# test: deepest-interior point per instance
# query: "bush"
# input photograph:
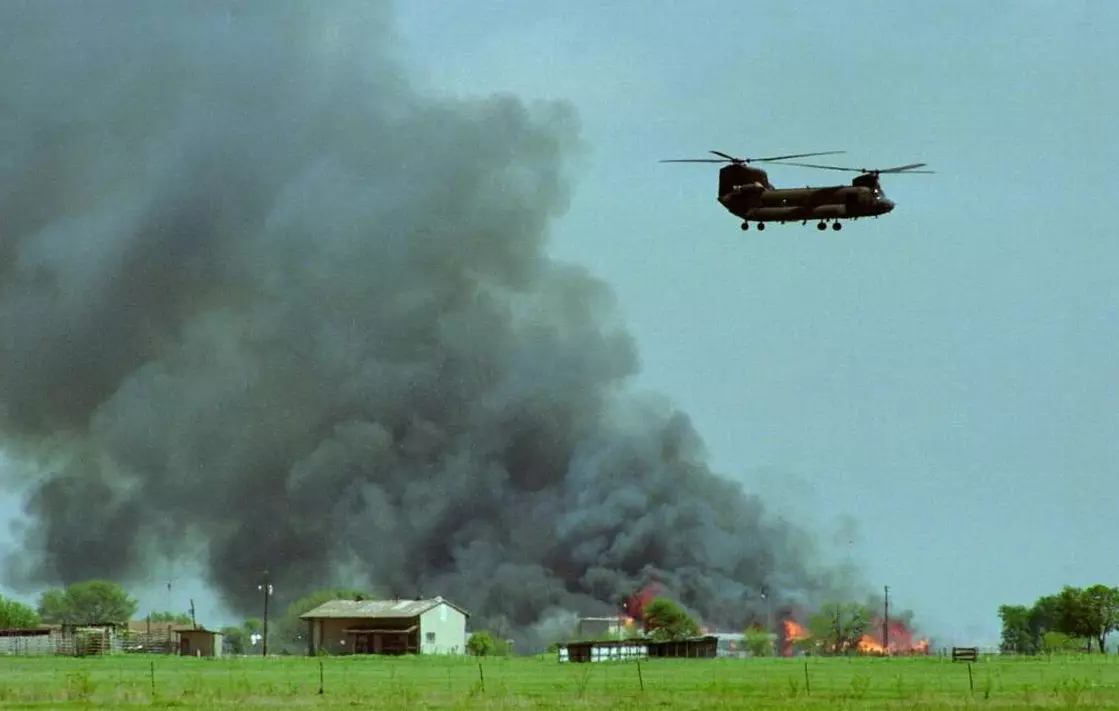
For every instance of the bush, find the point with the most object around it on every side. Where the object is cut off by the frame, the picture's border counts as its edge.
(483, 644)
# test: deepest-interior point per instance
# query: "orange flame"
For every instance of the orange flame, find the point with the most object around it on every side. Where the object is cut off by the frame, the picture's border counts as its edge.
(901, 640)
(869, 645)
(794, 632)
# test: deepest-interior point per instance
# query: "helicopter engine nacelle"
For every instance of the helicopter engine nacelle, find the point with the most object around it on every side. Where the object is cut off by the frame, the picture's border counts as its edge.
(748, 189)
(865, 181)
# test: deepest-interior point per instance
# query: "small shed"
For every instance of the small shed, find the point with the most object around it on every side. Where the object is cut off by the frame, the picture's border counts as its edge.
(199, 642)
(173, 638)
(431, 626)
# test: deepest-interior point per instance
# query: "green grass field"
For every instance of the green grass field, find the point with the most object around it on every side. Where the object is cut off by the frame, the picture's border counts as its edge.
(416, 683)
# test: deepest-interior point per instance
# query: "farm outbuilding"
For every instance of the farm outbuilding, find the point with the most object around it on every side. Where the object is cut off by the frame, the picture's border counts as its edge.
(633, 649)
(199, 642)
(174, 638)
(433, 626)
(31, 641)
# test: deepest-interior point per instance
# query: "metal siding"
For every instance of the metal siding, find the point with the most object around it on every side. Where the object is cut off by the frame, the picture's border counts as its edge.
(449, 627)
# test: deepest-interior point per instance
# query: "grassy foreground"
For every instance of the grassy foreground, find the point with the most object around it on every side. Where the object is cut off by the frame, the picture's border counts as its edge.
(416, 683)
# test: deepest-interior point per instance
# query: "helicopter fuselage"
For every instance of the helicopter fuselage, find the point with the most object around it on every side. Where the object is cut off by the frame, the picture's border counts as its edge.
(756, 203)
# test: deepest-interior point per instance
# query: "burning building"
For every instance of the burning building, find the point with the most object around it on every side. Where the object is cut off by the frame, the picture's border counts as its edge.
(634, 605)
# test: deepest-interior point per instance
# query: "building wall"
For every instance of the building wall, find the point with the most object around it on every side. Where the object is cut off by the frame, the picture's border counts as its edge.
(202, 644)
(30, 644)
(442, 631)
(330, 634)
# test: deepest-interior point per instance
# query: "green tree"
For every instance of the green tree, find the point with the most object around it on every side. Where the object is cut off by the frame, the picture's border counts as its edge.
(666, 619)
(481, 644)
(174, 618)
(1089, 613)
(1044, 617)
(15, 615)
(838, 627)
(484, 643)
(1017, 637)
(1103, 602)
(87, 603)
(759, 643)
(236, 637)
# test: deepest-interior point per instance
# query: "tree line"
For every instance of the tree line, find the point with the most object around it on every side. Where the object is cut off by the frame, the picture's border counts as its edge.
(94, 602)
(1075, 619)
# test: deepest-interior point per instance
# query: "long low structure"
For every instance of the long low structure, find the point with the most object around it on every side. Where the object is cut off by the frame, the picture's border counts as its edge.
(706, 647)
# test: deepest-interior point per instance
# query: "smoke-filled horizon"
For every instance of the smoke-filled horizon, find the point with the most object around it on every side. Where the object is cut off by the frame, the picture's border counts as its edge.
(264, 302)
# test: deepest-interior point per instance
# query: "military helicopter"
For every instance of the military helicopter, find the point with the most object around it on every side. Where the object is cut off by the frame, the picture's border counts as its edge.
(746, 192)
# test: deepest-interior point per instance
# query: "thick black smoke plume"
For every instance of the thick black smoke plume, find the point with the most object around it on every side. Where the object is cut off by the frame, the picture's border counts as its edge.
(263, 301)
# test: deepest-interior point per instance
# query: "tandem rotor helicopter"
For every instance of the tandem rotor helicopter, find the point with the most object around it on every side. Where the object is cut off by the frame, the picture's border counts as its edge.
(746, 192)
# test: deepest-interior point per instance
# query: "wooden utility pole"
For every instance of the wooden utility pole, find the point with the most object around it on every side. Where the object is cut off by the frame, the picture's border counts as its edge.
(886, 624)
(267, 588)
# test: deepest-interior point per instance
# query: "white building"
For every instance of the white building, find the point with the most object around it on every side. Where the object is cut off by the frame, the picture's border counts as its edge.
(433, 626)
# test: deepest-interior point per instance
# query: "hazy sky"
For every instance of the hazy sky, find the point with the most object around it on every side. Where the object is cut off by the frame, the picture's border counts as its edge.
(945, 375)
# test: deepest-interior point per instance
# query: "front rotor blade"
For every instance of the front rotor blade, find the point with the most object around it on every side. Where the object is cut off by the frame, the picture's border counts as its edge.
(693, 160)
(799, 155)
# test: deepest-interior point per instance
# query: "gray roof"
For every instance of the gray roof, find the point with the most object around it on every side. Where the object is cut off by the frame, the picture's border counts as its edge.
(375, 609)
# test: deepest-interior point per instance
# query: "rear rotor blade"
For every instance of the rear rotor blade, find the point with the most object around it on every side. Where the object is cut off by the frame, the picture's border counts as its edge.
(732, 159)
(904, 169)
(867, 171)
(826, 167)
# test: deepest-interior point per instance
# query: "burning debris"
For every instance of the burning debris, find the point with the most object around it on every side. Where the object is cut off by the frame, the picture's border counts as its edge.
(871, 641)
(900, 639)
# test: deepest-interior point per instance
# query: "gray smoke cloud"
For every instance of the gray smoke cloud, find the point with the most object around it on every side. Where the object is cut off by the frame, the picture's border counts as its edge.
(265, 302)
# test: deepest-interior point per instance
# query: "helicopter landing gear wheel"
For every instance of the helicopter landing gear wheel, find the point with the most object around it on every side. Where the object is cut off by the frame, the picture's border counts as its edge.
(744, 226)
(821, 225)
(837, 225)
(761, 225)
